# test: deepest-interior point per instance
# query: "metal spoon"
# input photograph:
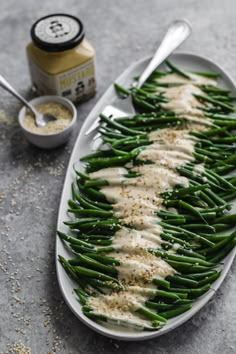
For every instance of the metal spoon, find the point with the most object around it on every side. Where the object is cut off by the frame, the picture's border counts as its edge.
(40, 119)
(176, 34)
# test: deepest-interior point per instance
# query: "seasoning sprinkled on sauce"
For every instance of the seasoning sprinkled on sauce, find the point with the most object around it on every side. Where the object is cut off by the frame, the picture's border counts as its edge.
(62, 114)
(136, 200)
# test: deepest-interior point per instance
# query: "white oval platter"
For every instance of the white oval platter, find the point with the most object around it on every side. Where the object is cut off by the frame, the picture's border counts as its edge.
(83, 146)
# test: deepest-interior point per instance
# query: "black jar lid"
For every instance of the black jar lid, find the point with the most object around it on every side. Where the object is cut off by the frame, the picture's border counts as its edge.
(57, 32)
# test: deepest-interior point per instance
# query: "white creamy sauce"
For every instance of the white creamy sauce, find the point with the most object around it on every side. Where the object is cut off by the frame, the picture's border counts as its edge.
(198, 169)
(204, 122)
(136, 200)
(141, 268)
(182, 101)
(114, 175)
(174, 136)
(181, 98)
(196, 79)
(134, 240)
(166, 158)
(121, 306)
(175, 247)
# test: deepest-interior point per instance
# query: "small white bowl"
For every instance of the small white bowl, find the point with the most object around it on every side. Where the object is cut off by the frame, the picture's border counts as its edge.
(49, 141)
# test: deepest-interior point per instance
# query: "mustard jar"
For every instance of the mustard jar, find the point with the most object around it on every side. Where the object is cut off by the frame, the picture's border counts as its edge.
(61, 60)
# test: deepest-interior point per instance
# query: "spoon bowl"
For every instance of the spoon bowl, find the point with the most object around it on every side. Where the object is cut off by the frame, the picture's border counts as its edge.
(43, 119)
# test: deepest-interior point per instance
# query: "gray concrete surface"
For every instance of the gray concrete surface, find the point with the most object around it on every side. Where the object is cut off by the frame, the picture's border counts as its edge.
(32, 310)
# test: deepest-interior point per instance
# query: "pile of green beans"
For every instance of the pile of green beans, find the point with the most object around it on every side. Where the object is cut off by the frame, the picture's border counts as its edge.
(202, 225)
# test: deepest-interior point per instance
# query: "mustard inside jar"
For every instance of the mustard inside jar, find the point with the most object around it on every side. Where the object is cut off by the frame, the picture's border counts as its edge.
(61, 60)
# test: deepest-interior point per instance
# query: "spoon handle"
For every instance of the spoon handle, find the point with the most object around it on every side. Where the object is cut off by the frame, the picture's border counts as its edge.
(178, 31)
(5, 85)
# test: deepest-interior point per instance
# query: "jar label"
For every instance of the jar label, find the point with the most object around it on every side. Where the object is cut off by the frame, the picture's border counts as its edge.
(76, 84)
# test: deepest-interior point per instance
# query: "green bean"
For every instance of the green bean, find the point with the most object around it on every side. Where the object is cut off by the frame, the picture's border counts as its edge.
(192, 210)
(158, 72)
(176, 221)
(76, 248)
(215, 131)
(176, 312)
(211, 88)
(182, 280)
(92, 193)
(166, 295)
(92, 212)
(183, 302)
(73, 240)
(93, 237)
(219, 245)
(150, 315)
(111, 224)
(161, 282)
(174, 239)
(142, 104)
(159, 305)
(186, 268)
(215, 102)
(207, 199)
(223, 181)
(180, 193)
(224, 169)
(93, 204)
(217, 237)
(223, 252)
(228, 139)
(187, 233)
(96, 182)
(202, 275)
(180, 258)
(73, 204)
(84, 203)
(221, 227)
(96, 164)
(176, 70)
(104, 259)
(226, 219)
(93, 274)
(209, 280)
(82, 296)
(127, 141)
(85, 260)
(193, 293)
(69, 269)
(208, 74)
(190, 252)
(208, 216)
(229, 197)
(218, 200)
(101, 242)
(74, 224)
(121, 90)
(199, 227)
(118, 126)
(86, 158)
(107, 134)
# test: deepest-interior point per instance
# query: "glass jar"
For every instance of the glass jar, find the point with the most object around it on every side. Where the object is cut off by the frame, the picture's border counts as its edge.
(61, 60)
